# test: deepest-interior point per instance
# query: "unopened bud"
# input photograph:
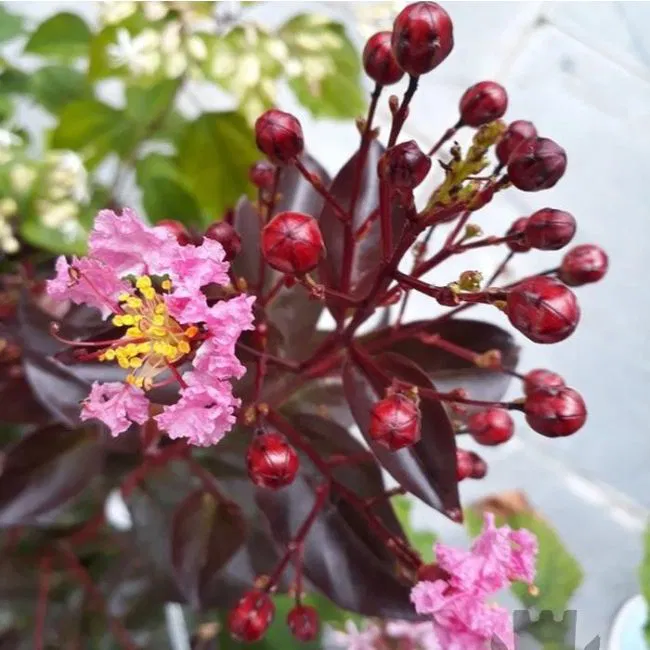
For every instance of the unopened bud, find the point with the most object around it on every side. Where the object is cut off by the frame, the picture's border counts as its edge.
(470, 281)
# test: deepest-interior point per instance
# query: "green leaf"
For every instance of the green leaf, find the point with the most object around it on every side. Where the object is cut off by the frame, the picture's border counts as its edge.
(11, 25)
(99, 66)
(93, 129)
(64, 36)
(166, 194)
(13, 80)
(329, 83)
(558, 573)
(644, 578)
(50, 239)
(6, 108)
(147, 104)
(215, 152)
(421, 540)
(56, 86)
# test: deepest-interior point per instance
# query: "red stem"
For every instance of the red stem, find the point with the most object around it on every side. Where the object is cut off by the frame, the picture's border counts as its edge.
(385, 220)
(400, 116)
(290, 366)
(447, 135)
(317, 184)
(265, 301)
(264, 218)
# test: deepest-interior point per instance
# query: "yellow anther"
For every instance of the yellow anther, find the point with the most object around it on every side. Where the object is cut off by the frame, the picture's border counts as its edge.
(144, 348)
(171, 352)
(160, 309)
(158, 320)
(124, 297)
(134, 332)
(117, 320)
(123, 363)
(128, 319)
(159, 332)
(166, 285)
(109, 355)
(191, 331)
(136, 362)
(183, 347)
(148, 293)
(135, 381)
(133, 302)
(159, 347)
(131, 349)
(143, 282)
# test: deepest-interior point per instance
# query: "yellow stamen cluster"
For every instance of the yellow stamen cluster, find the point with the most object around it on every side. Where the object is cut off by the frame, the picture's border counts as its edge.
(153, 339)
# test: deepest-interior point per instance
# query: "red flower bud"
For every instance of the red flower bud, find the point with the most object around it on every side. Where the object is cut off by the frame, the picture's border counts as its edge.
(177, 229)
(537, 165)
(491, 427)
(395, 422)
(379, 61)
(227, 236)
(431, 573)
(249, 620)
(518, 231)
(515, 135)
(555, 413)
(543, 309)
(271, 461)
(479, 466)
(549, 229)
(404, 166)
(482, 103)
(464, 464)
(262, 174)
(584, 264)
(279, 135)
(303, 623)
(292, 243)
(423, 37)
(542, 380)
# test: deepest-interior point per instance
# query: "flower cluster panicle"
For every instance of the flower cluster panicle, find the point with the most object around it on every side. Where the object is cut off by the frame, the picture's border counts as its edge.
(151, 287)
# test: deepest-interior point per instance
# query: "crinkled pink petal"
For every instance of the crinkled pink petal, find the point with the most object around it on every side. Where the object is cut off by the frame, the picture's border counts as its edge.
(417, 635)
(428, 597)
(218, 362)
(126, 244)
(92, 283)
(192, 267)
(524, 556)
(117, 405)
(187, 307)
(204, 413)
(353, 638)
(228, 318)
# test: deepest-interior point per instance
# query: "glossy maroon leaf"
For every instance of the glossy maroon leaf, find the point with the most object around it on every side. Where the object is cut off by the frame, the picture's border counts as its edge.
(46, 471)
(447, 370)
(426, 469)
(367, 258)
(205, 534)
(337, 560)
(323, 397)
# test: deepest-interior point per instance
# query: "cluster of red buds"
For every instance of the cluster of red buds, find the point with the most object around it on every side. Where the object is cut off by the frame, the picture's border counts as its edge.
(541, 307)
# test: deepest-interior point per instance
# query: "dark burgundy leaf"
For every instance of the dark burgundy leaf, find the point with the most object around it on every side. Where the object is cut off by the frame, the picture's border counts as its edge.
(323, 397)
(447, 370)
(367, 256)
(337, 560)
(19, 405)
(205, 534)
(426, 469)
(45, 471)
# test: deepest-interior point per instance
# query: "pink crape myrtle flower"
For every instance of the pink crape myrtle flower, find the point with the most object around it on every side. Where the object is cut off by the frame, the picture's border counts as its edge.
(462, 619)
(368, 637)
(413, 636)
(152, 287)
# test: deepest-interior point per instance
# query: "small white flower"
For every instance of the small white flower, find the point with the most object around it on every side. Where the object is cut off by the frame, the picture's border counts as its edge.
(8, 243)
(197, 48)
(56, 215)
(8, 207)
(140, 54)
(175, 65)
(9, 139)
(170, 37)
(154, 10)
(68, 178)
(115, 12)
(21, 177)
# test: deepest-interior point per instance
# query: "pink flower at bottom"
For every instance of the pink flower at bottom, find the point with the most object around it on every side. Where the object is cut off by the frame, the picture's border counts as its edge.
(117, 405)
(414, 636)
(204, 412)
(368, 637)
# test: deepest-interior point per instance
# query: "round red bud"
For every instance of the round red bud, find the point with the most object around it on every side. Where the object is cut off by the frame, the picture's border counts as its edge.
(303, 623)
(227, 236)
(517, 231)
(494, 426)
(395, 422)
(177, 229)
(542, 380)
(292, 243)
(549, 229)
(404, 166)
(262, 174)
(379, 61)
(479, 466)
(538, 164)
(249, 620)
(555, 413)
(584, 264)
(271, 461)
(464, 464)
(543, 309)
(482, 103)
(279, 136)
(423, 37)
(515, 135)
